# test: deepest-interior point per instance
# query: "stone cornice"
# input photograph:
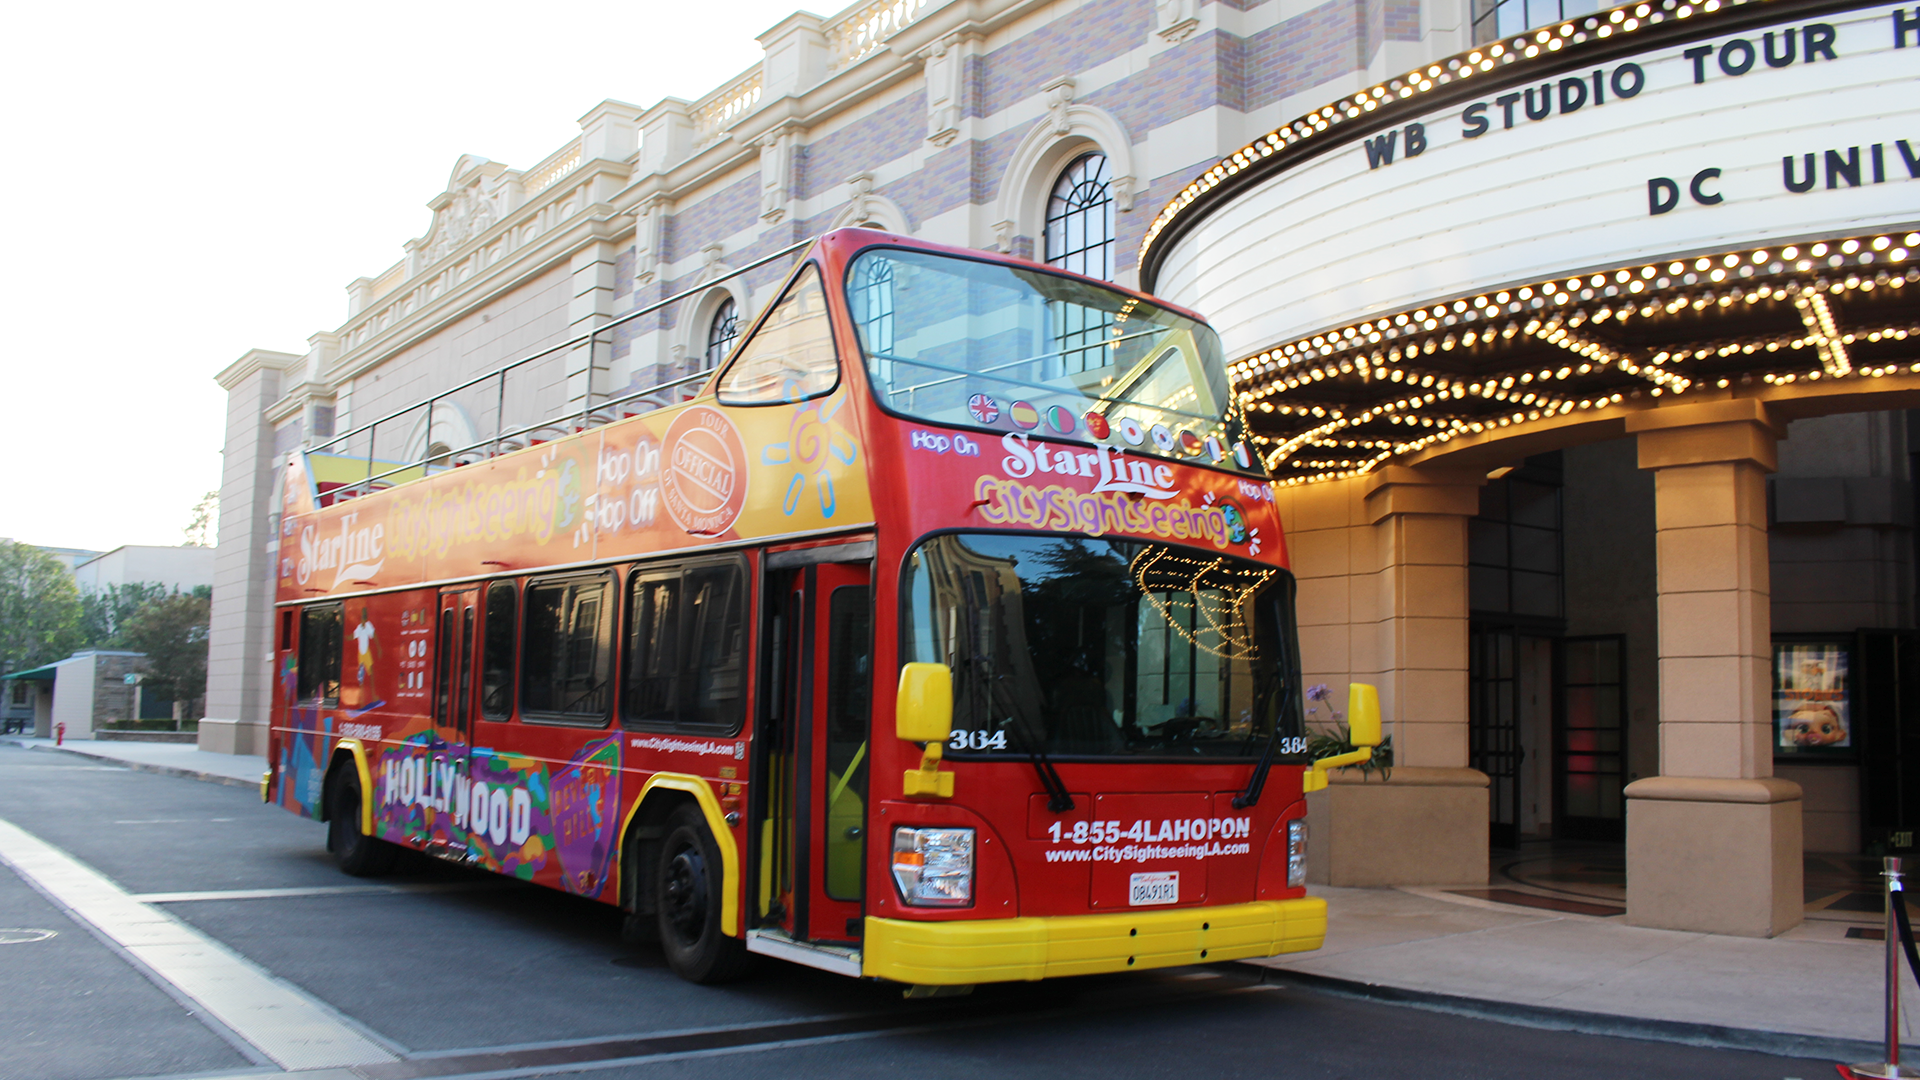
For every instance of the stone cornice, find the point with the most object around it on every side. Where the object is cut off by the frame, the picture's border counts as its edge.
(594, 221)
(253, 362)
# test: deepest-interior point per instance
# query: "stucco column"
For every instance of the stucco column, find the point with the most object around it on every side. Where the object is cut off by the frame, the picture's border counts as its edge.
(1381, 562)
(240, 626)
(1418, 519)
(1713, 842)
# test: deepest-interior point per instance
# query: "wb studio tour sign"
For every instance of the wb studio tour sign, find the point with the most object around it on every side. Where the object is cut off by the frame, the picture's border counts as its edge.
(1747, 116)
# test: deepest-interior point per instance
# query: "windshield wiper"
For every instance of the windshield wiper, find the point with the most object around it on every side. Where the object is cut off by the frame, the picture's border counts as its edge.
(1059, 800)
(1258, 781)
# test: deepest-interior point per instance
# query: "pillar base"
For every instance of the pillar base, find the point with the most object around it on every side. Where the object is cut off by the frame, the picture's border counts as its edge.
(233, 736)
(1423, 826)
(1716, 856)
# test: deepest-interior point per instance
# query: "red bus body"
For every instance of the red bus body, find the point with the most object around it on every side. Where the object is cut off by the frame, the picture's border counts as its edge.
(802, 500)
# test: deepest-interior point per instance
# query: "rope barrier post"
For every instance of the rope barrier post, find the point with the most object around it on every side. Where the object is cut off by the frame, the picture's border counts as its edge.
(1896, 942)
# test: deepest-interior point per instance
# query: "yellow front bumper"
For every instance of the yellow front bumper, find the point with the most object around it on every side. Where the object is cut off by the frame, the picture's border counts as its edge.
(1004, 950)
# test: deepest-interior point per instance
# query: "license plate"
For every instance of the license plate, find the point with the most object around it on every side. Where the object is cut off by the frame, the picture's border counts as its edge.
(1163, 888)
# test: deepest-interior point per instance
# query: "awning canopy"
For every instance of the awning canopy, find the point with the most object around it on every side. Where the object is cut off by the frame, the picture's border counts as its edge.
(39, 674)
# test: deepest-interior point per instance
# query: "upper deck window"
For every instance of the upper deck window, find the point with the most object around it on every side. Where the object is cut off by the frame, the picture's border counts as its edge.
(790, 356)
(1010, 348)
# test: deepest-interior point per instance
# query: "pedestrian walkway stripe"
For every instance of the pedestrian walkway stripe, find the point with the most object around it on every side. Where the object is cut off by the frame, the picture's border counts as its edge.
(293, 1029)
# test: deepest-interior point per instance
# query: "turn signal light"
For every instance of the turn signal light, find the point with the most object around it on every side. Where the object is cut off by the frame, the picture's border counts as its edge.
(933, 867)
(1296, 853)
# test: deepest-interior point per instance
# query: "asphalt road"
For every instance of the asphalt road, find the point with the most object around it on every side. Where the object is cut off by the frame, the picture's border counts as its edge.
(457, 974)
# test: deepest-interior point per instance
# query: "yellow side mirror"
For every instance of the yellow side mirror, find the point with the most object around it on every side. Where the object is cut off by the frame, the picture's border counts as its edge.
(1363, 715)
(923, 712)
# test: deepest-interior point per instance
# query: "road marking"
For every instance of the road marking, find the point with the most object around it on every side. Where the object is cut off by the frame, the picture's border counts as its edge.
(316, 890)
(293, 1029)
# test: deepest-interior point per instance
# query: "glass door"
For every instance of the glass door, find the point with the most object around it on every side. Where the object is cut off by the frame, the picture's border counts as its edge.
(452, 707)
(812, 837)
(1590, 740)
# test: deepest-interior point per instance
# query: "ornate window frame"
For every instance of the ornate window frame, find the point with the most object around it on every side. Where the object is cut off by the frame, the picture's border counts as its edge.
(1069, 130)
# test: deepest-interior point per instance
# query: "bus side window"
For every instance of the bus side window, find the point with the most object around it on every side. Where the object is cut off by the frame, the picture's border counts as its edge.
(496, 664)
(790, 356)
(686, 648)
(567, 652)
(323, 629)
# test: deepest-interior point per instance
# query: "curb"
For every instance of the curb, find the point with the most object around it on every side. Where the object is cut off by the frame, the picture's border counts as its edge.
(1712, 1036)
(143, 766)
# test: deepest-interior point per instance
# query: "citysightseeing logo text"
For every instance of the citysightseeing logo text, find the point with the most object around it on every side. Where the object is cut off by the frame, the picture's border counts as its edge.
(354, 554)
(1147, 852)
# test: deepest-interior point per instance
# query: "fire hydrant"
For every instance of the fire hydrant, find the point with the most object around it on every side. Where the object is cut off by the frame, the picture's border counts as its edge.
(59, 734)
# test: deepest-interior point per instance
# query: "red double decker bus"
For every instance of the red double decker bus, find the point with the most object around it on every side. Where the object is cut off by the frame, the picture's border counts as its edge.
(943, 634)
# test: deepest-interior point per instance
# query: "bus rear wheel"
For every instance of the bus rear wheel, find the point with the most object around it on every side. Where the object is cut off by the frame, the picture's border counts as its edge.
(688, 887)
(358, 854)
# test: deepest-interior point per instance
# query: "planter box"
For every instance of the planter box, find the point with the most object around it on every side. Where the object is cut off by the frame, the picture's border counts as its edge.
(1424, 826)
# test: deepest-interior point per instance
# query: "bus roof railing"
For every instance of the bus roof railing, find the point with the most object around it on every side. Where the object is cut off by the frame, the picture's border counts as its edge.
(589, 414)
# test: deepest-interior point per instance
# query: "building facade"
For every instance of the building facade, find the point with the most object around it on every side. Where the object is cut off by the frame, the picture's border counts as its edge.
(1565, 589)
(1576, 355)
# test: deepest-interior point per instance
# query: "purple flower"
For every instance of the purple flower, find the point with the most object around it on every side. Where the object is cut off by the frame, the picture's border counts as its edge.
(1318, 692)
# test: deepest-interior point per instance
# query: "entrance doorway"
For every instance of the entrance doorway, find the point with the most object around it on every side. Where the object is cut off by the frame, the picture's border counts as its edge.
(810, 858)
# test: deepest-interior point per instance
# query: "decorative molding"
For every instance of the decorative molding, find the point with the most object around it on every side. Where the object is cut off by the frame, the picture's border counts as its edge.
(866, 208)
(1176, 20)
(649, 234)
(1068, 130)
(946, 71)
(1059, 97)
(776, 170)
(1003, 234)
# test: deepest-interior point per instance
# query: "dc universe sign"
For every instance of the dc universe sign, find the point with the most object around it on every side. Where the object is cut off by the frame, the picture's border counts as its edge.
(1806, 127)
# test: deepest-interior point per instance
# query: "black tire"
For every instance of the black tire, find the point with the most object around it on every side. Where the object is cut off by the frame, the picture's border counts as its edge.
(687, 889)
(358, 854)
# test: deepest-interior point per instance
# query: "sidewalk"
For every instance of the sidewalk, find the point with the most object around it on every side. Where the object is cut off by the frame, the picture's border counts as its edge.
(1812, 991)
(172, 759)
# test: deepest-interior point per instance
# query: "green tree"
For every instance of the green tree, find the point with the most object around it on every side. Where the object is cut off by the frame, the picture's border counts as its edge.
(203, 528)
(39, 608)
(172, 631)
(104, 613)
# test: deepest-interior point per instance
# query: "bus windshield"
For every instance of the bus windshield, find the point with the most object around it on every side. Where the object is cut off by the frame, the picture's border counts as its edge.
(980, 344)
(1082, 647)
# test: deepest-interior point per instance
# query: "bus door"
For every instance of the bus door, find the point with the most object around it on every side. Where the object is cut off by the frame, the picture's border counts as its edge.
(452, 708)
(812, 869)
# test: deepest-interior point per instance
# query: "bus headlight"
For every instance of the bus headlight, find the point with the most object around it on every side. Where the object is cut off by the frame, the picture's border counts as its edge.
(1296, 853)
(933, 867)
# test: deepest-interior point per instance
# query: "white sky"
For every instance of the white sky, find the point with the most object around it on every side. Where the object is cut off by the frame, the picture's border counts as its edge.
(190, 181)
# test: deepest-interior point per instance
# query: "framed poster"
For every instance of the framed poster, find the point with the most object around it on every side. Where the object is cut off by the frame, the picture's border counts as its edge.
(1812, 706)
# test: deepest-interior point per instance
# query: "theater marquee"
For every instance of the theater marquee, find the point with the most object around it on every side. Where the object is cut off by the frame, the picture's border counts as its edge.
(1648, 132)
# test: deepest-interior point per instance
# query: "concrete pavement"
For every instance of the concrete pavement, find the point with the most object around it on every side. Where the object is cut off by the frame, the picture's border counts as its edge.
(170, 759)
(1811, 990)
(1814, 990)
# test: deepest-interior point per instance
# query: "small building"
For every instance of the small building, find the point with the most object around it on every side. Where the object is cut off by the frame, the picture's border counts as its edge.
(84, 691)
(184, 568)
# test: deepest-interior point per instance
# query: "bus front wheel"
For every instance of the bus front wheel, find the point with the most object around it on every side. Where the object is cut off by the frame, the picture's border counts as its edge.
(358, 854)
(688, 890)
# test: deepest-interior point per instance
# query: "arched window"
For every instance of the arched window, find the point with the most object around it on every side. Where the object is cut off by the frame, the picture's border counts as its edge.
(722, 332)
(1080, 239)
(1080, 219)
